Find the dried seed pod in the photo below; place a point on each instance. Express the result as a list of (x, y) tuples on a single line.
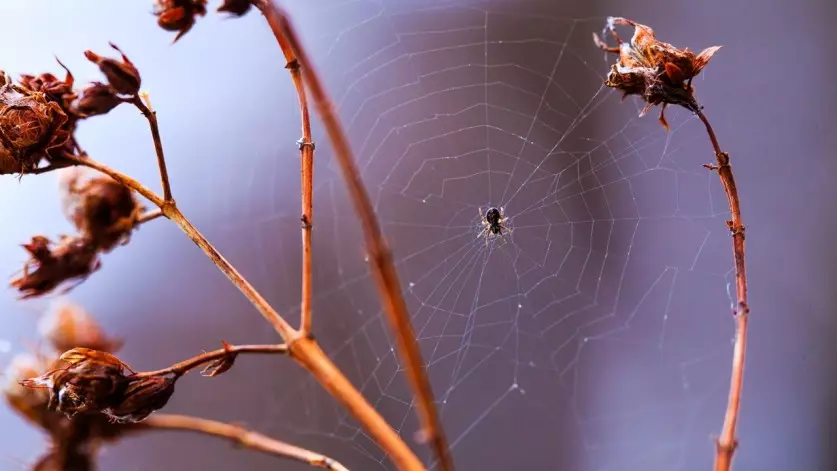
[(659, 72), (235, 7), (29, 403), (88, 380), (122, 75), (102, 209), (72, 258), (66, 326), (96, 99), (30, 126), (178, 15), (141, 398)]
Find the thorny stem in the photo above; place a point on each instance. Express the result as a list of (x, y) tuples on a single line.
[(240, 436), (151, 116), (306, 150), (726, 442), (183, 367), (389, 286)]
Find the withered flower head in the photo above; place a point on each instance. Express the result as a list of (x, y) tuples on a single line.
[(29, 403), (178, 15), (122, 75), (659, 72), (102, 209), (59, 91), (96, 99), (141, 397), (52, 265), (87, 380), (66, 326), (236, 7), (30, 126)]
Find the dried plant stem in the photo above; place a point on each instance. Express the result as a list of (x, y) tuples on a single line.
[(380, 256), (303, 349), (306, 150), (185, 366), (726, 442), (151, 116), (240, 436), (149, 216)]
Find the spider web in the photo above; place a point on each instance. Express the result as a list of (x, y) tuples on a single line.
[(588, 338)]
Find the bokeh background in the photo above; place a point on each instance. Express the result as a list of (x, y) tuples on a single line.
[(597, 338)]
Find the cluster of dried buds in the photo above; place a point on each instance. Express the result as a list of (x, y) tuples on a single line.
[(37, 121), (86, 396), (658, 72), (181, 15)]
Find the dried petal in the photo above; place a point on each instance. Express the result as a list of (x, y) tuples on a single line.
[(141, 397), (220, 365), (122, 76), (102, 209), (96, 99), (178, 15), (235, 7), (26, 401), (73, 258), (67, 326), (658, 72)]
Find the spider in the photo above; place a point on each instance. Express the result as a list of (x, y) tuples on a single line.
[(494, 224)]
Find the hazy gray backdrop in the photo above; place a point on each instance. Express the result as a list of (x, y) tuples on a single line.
[(597, 338)]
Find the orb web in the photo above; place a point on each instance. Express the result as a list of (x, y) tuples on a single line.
[(591, 336)]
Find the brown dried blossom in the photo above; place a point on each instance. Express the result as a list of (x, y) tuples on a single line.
[(96, 99), (658, 72), (103, 210), (178, 15), (29, 403), (66, 326), (31, 126), (51, 265), (122, 75), (141, 397), (235, 7)]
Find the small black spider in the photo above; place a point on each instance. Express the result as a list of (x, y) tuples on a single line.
[(494, 224)]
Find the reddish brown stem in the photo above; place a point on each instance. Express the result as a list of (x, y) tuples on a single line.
[(185, 366), (151, 116), (240, 436), (306, 151), (389, 287), (726, 442), (149, 216)]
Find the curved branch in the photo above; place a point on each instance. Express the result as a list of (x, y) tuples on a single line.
[(185, 366), (240, 436)]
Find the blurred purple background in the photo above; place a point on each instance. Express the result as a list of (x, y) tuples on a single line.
[(597, 338)]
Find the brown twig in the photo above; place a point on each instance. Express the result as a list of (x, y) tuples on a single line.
[(183, 367), (149, 216), (306, 150), (726, 442), (303, 349), (151, 116), (240, 436), (389, 287)]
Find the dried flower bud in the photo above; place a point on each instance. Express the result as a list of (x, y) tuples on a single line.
[(102, 209), (59, 91), (29, 403), (122, 76), (96, 99), (236, 7), (141, 397), (66, 459), (50, 266), (178, 15), (30, 125), (220, 365), (66, 326), (659, 72), (89, 380)]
